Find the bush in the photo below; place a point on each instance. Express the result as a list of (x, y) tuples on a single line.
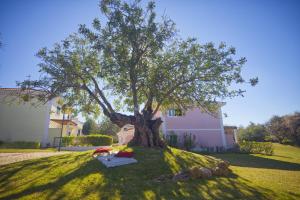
[(287, 141), (253, 132), (188, 141), (285, 129), (256, 147), (89, 140), (172, 139), (21, 145)]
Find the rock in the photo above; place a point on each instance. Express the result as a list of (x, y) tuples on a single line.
[(223, 164), (205, 172), (181, 176), (226, 172), (217, 171), (195, 172)]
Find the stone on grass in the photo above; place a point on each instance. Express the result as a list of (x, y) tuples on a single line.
[(205, 172), (195, 172), (217, 171), (223, 164)]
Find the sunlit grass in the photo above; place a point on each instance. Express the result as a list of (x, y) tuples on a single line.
[(279, 174), (13, 150), (79, 176)]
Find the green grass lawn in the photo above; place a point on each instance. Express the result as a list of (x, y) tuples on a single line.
[(13, 150), (79, 176), (278, 176)]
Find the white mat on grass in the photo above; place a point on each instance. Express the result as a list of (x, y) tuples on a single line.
[(111, 161)]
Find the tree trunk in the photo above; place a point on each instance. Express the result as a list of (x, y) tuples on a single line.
[(146, 130), (147, 134)]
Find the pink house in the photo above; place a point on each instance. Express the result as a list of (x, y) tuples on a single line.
[(205, 130)]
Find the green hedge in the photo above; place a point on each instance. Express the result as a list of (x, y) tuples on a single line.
[(172, 140), (21, 145), (256, 147), (89, 140)]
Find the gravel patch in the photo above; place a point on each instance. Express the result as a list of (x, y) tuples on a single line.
[(7, 158)]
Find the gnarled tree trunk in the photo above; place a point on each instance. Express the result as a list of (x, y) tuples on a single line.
[(147, 134), (146, 129)]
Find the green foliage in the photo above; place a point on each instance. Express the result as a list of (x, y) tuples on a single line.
[(139, 60), (188, 141), (253, 132), (285, 129), (172, 139), (67, 141), (21, 145), (287, 141), (89, 126), (89, 140), (256, 147), (106, 127)]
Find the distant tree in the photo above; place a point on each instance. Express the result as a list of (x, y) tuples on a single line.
[(106, 127), (277, 129), (293, 124), (143, 63), (89, 126), (285, 129), (253, 132)]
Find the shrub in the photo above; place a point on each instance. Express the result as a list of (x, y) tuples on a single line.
[(287, 141), (256, 147), (21, 145), (89, 140), (172, 139), (253, 132), (188, 141), (67, 141)]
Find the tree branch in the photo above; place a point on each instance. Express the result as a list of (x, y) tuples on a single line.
[(105, 110), (102, 95)]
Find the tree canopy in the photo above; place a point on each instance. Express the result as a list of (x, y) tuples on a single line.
[(89, 126), (142, 63), (285, 129), (253, 132)]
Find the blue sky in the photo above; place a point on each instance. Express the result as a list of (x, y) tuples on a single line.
[(267, 33)]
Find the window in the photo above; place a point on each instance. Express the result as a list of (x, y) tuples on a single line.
[(58, 109), (78, 132), (175, 112)]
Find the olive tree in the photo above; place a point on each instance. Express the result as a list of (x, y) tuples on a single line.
[(140, 62)]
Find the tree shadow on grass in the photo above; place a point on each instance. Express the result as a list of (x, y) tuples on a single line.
[(249, 160), (10, 170), (53, 186), (79, 177)]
